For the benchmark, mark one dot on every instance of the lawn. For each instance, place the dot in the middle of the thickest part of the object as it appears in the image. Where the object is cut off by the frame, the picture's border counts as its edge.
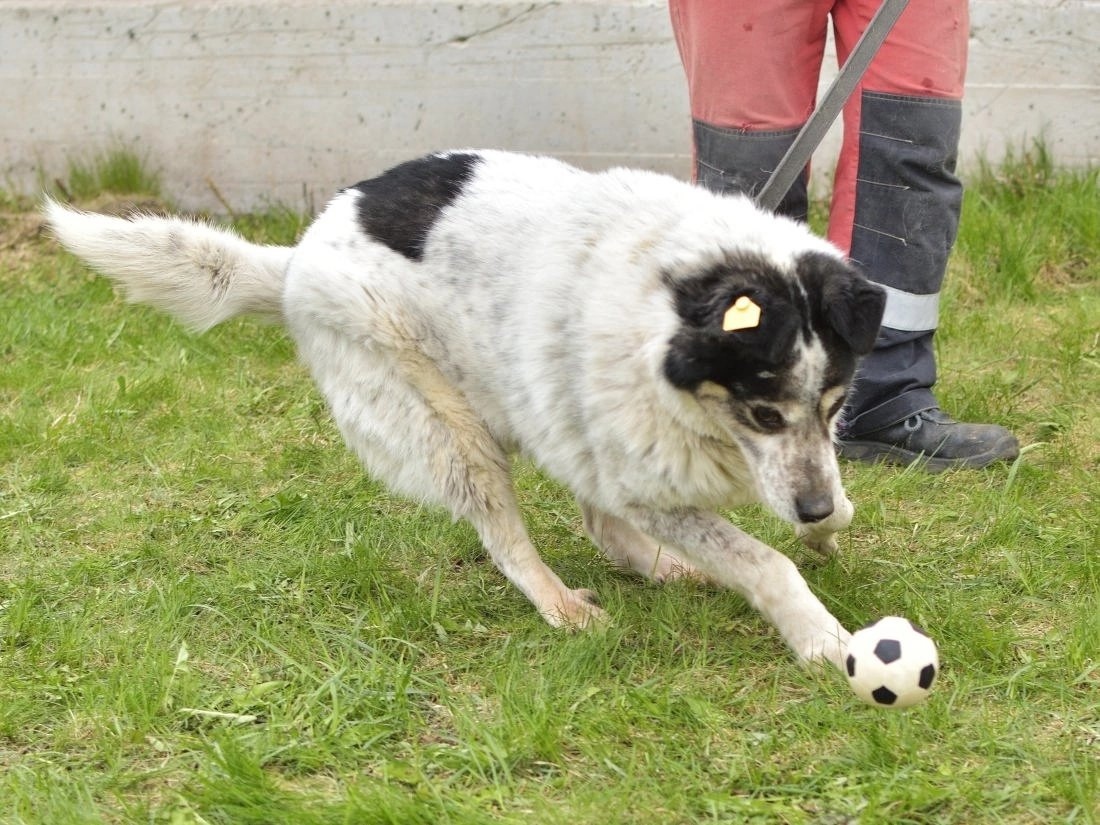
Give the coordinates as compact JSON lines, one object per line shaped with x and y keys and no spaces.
{"x":208,"y":614}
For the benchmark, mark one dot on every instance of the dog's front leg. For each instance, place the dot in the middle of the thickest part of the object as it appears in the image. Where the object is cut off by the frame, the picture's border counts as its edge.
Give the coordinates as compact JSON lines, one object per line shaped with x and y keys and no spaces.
{"x":627,"y":546}
{"x":765,"y":577}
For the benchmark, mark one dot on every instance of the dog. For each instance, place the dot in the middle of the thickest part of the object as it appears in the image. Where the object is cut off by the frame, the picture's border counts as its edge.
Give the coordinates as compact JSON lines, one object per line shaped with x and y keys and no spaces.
{"x":661,"y":350}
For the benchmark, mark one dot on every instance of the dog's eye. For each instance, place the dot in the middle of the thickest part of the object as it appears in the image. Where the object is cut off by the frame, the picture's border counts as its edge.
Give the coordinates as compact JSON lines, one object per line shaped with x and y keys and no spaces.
{"x":768,"y":418}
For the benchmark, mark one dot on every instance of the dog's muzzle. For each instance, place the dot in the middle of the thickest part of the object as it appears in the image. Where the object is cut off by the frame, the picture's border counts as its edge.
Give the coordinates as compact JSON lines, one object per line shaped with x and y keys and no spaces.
{"x":813,"y":507}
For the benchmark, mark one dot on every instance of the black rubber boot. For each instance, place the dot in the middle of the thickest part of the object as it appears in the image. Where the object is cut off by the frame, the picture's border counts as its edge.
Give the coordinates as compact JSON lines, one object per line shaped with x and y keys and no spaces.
{"x":908,"y":201}
{"x":936,"y":441}
{"x":907,"y":208}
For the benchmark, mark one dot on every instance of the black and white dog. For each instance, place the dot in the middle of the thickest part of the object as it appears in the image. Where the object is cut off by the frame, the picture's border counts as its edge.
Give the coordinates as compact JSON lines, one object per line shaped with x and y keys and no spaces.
{"x":661,"y":350}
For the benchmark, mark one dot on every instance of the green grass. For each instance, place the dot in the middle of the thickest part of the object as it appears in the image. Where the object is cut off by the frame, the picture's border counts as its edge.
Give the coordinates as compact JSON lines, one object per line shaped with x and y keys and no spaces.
{"x":1017,"y":239}
{"x":116,"y":171}
{"x":209,"y":615}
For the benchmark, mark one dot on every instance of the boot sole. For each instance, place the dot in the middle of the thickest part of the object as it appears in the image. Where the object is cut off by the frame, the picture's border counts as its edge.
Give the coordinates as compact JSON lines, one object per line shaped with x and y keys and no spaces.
{"x":877,"y":452}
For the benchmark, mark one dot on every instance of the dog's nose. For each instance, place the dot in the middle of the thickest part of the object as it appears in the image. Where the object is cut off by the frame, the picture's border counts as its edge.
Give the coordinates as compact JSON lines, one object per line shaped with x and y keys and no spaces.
{"x":813,"y":508}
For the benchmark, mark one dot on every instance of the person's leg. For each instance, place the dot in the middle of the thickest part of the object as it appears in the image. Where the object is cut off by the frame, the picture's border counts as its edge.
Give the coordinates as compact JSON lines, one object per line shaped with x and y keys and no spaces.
{"x":752,"y":69}
{"x":895,"y":211}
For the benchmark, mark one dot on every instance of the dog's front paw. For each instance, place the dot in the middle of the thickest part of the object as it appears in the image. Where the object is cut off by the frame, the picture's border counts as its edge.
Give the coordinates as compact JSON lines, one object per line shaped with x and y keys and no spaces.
{"x":829,"y":647}
{"x":820,"y":541}
{"x":669,"y":568}
{"x":576,"y":610}
{"x":821,"y":537}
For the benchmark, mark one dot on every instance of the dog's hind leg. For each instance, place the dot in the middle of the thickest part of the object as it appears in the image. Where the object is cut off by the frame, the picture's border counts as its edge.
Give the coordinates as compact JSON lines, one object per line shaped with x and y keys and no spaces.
{"x":765,"y":577}
{"x":474,"y":477}
{"x":502,"y":532}
{"x":629,"y":547}
{"x":416,"y":431}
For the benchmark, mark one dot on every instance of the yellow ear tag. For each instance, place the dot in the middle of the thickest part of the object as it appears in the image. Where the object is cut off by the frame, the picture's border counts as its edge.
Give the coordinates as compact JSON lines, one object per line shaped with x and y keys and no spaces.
{"x":743,"y":314}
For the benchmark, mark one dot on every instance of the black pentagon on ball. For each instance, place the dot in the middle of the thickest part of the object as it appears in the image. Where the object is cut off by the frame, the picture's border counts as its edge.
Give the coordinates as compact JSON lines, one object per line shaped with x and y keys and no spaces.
{"x":851,"y":663}
{"x":888,"y":650}
{"x":927,"y":676}
{"x":884,"y":696}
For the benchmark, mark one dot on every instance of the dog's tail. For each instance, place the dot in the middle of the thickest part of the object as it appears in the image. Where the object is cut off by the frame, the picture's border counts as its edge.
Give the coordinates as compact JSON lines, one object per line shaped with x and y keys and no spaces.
{"x":198,"y":274}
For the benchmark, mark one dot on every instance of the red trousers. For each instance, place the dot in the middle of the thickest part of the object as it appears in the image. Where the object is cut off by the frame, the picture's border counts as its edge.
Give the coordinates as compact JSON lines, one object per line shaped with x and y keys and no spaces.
{"x":754,"y":65}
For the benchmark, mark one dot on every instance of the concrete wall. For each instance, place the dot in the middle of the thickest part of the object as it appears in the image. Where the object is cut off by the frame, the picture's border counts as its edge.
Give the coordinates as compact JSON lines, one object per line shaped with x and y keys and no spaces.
{"x":287,"y":100}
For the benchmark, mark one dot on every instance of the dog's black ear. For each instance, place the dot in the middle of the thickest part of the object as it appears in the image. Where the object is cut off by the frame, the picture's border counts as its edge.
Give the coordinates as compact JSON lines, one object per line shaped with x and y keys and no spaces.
{"x":770,"y":339}
{"x":737,"y":319}
{"x":856,"y":313}
{"x":851,"y":304}
{"x":688,"y":362}
{"x":715,"y":352}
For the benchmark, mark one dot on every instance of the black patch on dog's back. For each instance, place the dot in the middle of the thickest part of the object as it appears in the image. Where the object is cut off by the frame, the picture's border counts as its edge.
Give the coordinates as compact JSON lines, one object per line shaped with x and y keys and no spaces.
{"x":399,"y":207}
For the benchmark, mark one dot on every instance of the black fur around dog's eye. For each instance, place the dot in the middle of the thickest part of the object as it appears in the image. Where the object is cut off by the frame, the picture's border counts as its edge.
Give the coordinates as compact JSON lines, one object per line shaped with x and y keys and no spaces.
{"x":768,"y":418}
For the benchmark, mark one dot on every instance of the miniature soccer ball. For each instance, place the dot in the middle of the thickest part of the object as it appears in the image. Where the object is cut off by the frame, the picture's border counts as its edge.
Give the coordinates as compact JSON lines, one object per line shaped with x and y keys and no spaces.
{"x":892,"y":663}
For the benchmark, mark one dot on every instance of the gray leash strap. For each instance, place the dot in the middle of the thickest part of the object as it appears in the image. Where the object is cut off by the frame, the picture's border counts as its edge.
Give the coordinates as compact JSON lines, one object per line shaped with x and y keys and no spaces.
{"x":812,"y":132}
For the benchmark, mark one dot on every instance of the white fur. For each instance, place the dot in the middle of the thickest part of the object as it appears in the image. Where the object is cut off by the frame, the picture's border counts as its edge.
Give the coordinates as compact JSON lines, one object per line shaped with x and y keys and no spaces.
{"x":155,"y":260}
{"x":538,"y":320}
